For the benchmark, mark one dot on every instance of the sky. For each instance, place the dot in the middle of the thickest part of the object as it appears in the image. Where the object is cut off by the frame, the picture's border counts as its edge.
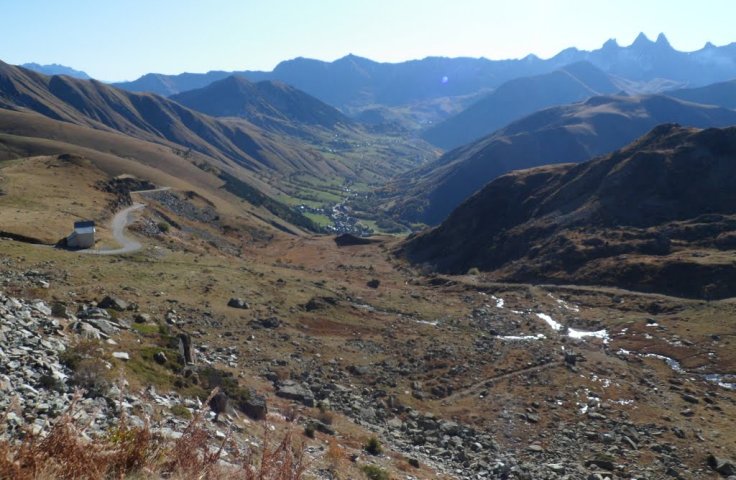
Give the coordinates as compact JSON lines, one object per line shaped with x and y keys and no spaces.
{"x":116,"y":40}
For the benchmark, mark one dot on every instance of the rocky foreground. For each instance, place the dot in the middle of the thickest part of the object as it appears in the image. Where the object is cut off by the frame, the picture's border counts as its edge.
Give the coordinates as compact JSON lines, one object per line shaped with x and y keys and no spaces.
{"x":37,"y":386}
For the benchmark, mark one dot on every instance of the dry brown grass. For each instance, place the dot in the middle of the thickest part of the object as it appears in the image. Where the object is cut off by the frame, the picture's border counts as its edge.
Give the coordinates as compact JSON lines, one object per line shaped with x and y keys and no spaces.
{"x":65,"y":454}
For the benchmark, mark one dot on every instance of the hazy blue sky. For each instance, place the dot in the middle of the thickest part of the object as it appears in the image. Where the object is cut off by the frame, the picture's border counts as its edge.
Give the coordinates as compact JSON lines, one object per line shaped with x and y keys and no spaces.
{"x":122,"y":39}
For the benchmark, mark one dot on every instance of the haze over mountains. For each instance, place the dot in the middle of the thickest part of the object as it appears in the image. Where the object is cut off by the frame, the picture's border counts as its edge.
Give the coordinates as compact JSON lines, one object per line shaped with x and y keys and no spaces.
{"x":517,"y":98}
{"x":353,"y":81}
{"x":56,"y":69}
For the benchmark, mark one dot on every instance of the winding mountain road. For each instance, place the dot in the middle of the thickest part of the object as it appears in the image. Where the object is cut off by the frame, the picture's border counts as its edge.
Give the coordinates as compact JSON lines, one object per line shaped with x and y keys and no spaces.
{"x":121,"y":220}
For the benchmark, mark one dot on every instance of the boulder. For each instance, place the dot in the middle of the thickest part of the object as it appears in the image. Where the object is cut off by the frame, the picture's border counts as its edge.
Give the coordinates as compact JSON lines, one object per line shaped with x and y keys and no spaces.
{"x":160,"y":358}
{"x":319,"y":303}
{"x":255,"y":406}
{"x":721,"y":465}
{"x":113,"y":303}
{"x":271,"y":322}
{"x":291,"y":390}
{"x":238,"y":303}
{"x":185,"y":349}
{"x":218,"y":404}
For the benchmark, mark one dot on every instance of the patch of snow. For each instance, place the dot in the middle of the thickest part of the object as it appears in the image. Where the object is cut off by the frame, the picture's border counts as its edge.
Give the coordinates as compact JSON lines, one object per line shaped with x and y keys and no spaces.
{"x":564,"y":304}
{"x":522,"y":337}
{"x":499,"y":301}
{"x":603,"y":334}
{"x":553,"y":325}
{"x":673,"y":364}
{"x":425,"y":322}
{"x":652,"y":325}
{"x":724,"y":381}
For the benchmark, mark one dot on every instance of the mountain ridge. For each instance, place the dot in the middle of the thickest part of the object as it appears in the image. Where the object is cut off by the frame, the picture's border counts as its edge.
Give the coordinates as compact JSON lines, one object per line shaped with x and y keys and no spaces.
{"x":517,"y":98}
{"x":563,"y":134}
{"x":353,"y":81}
{"x":630,"y":219}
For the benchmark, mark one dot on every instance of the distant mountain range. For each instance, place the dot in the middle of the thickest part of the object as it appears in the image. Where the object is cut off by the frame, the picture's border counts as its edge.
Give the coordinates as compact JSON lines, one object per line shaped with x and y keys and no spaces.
{"x":56,"y":69}
{"x":564,"y":134}
{"x":633,"y":219}
{"x":517,"y":98}
{"x":353,"y":82}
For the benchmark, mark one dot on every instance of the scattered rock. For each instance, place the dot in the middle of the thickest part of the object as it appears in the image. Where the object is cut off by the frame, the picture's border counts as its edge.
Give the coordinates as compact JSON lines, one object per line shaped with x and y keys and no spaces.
{"x":121,"y":355}
{"x":374,"y":283}
{"x":160,"y":358}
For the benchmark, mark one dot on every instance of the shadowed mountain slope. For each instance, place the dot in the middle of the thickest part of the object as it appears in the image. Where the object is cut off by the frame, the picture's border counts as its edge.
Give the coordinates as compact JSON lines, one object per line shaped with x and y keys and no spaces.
{"x":658,"y":215}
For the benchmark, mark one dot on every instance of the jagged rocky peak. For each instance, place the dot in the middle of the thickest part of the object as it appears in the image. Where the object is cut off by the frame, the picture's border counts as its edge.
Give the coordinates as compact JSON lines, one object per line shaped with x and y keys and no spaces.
{"x":641,"y":41}
{"x":610,"y":44}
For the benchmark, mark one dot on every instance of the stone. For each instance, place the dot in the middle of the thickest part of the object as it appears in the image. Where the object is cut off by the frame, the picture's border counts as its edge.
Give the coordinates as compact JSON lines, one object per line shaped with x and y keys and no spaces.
{"x":374,"y":283}
{"x":113,"y":303}
{"x":721,"y":465}
{"x":59,"y":309}
{"x":238,"y":303}
{"x":121,"y":355}
{"x":319,"y":303}
{"x":85,"y":330}
{"x":536,"y":448}
{"x":93,"y":312}
{"x":160,"y":358}
{"x":218,"y":404}
{"x":291,"y":390}
{"x":689,"y":398}
{"x":596,"y":416}
{"x":603,"y":463}
{"x":103,"y":325}
{"x":270,"y":323}
{"x":185,"y":349}
{"x":255,"y":406}
{"x":142,"y":318}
